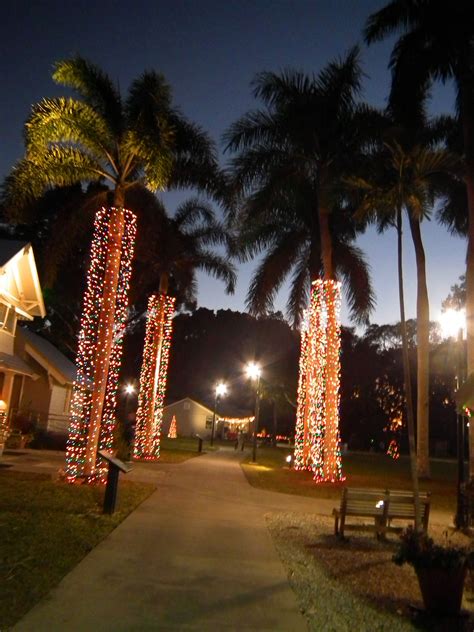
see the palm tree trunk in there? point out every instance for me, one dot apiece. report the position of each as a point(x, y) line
point(331, 470)
point(467, 118)
point(423, 352)
point(105, 335)
point(406, 372)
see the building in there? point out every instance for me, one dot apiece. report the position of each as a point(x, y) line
point(35, 378)
point(191, 418)
point(194, 418)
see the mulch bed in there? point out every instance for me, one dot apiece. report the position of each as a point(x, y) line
point(353, 584)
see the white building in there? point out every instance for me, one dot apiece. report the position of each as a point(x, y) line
point(35, 378)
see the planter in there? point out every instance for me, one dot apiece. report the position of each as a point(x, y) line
point(442, 588)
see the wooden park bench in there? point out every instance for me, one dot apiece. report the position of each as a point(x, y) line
point(402, 507)
point(383, 505)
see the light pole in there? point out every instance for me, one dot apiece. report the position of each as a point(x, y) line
point(452, 323)
point(253, 372)
point(219, 391)
point(129, 389)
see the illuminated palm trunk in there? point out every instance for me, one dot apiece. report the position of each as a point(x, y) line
point(310, 407)
point(153, 377)
point(100, 343)
point(332, 468)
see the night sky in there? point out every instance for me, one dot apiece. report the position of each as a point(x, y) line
point(209, 52)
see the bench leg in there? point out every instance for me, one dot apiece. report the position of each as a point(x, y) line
point(341, 528)
point(336, 525)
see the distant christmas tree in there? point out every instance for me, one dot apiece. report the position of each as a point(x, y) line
point(172, 433)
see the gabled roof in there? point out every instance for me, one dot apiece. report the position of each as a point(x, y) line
point(19, 283)
point(50, 358)
point(188, 399)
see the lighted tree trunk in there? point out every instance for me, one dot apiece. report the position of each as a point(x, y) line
point(105, 336)
point(423, 353)
point(332, 455)
point(332, 458)
point(100, 342)
point(153, 377)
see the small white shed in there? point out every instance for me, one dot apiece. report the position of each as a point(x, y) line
point(191, 418)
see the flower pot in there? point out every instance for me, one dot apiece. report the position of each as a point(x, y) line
point(442, 588)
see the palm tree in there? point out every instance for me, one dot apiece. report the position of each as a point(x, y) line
point(400, 179)
point(437, 43)
point(174, 248)
point(180, 248)
point(291, 158)
point(140, 142)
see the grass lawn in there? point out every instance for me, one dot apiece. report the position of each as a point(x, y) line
point(361, 469)
point(180, 449)
point(46, 528)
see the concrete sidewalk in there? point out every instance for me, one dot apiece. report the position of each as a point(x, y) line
point(196, 555)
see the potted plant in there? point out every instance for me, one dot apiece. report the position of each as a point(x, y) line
point(441, 570)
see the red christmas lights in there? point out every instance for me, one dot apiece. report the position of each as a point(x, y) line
point(317, 442)
point(153, 377)
point(99, 352)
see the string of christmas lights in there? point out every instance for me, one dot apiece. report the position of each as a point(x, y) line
point(317, 441)
point(153, 377)
point(332, 470)
point(100, 344)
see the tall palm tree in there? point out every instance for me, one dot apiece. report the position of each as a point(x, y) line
point(292, 156)
point(403, 179)
point(140, 142)
point(437, 43)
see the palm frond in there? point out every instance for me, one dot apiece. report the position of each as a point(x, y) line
point(298, 298)
point(66, 121)
point(271, 273)
point(352, 267)
point(95, 87)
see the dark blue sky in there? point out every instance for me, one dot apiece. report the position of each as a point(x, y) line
point(209, 52)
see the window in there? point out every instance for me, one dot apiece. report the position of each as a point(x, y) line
point(208, 422)
point(186, 406)
point(7, 318)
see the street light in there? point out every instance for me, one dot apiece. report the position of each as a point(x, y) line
point(453, 323)
point(220, 391)
point(254, 371)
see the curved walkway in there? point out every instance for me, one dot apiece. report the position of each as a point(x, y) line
point(196, 555)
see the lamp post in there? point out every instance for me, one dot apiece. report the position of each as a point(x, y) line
point(452, 323)
point(219, 391)
point(253, 372)
point(129, 389)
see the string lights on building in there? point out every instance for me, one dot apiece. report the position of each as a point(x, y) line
point(317, 441)
point(153, 377)
point(99, 352)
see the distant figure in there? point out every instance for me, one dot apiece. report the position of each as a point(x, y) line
point(240, 440)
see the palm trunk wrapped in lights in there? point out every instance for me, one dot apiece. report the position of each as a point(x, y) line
point(310, 424)
point(332, 469)
point(317, 432)
point(100, 343)
point(153, 377)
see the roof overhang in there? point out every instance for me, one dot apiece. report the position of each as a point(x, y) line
point(23, 291)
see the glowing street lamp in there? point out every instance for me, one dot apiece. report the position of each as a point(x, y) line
point(129, 389)
point(254, 371)
point(453, 324)
point(220, 391)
